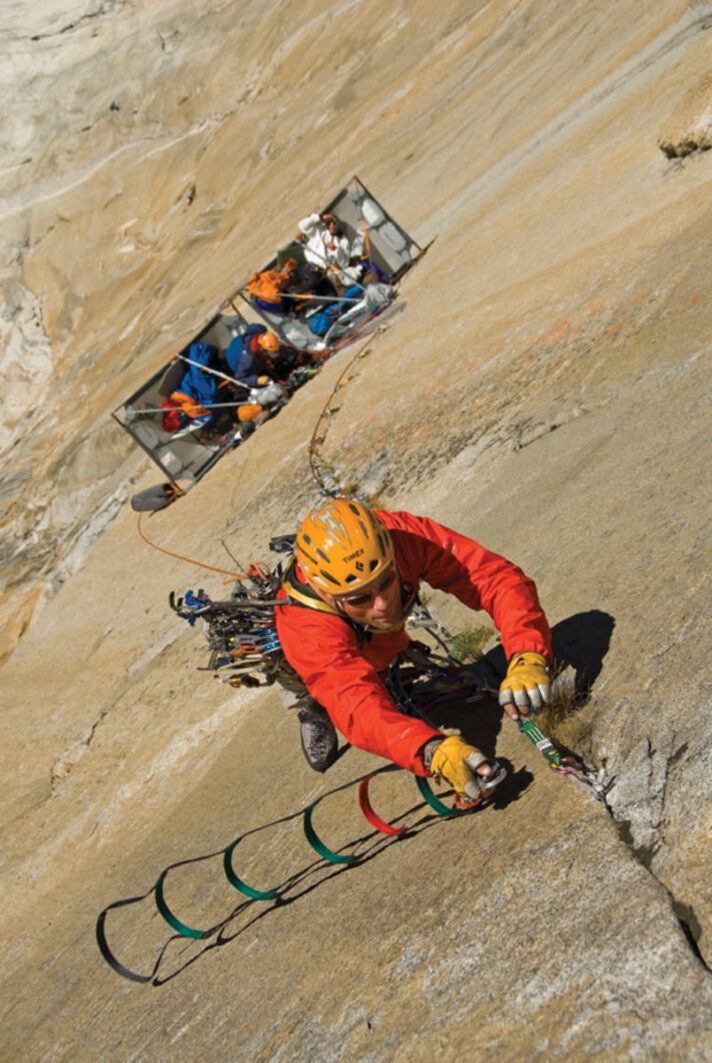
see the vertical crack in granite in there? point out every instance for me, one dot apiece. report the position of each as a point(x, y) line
point(639, 821)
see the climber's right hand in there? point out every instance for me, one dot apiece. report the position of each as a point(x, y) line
point(465, 767)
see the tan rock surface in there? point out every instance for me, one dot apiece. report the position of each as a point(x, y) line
point(545, 388)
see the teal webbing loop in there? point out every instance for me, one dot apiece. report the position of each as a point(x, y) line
point(316, 842)
point(183, 929)
point(234, 880)
point(432, 800)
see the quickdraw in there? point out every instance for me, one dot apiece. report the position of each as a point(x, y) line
point(243, 639)
point(422, 663)
point(242, 636)
point(593, 782)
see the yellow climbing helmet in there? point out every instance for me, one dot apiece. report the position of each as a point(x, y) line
point(342, 545)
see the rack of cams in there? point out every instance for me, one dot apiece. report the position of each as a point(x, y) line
point(241, 633)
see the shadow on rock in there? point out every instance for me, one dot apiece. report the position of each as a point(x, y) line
point(479, 723)
point(299, 885)
point(511, 788)
point(581, 642)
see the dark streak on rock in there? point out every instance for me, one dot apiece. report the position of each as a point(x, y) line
point(690, 927)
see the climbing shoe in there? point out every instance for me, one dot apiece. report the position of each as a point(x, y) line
point(319, 741)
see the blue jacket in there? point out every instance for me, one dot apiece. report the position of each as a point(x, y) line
point(245, 364)
point(199, 385)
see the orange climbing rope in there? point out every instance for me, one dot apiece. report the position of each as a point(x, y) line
point(181, 557)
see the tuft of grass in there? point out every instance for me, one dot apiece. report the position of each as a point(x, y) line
point(467, 645)
point(560, 717)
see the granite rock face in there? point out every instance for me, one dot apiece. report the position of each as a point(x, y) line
point(544, 389)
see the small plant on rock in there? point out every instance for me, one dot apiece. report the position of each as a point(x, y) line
point(468, 645)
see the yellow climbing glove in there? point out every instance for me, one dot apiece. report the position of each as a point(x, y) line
point(262, 381)
point(453, 759)
point(526, 684)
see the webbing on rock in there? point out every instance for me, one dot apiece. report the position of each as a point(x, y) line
point(234, 880)
point(432, 800)
point(373, 819)
point(316, 843)
point(185, 930)
point(562, 763)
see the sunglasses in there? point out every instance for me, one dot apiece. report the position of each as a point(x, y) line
point(365, 598)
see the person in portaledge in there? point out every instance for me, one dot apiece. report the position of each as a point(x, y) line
point(247, 355)
point(353, 580)
point(327, 246)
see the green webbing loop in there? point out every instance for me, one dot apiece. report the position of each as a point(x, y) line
point(317, 844)
point(435, 804)
point(182, 928)
point(249, 891)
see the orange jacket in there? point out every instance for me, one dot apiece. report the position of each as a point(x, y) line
point(271, 283)
point(188, 405)
point(343, 677)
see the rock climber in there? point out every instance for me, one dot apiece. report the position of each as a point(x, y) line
point(350, 587)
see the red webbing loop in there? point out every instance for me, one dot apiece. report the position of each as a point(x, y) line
point(373, 819)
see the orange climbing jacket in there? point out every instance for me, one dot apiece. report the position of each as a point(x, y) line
point(341, 669)
point(269, 285)
point(188, 405)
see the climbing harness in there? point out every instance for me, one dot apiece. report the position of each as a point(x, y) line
point(242, 635)
point(452, 678)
